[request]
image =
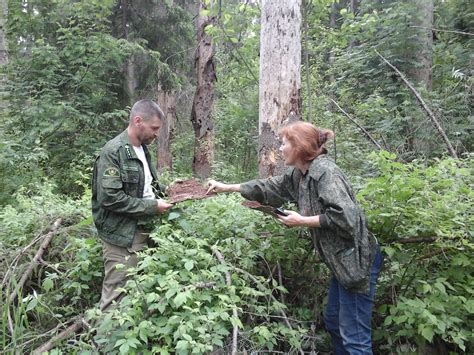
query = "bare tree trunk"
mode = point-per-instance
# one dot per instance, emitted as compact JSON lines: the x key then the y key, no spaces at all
{"x":167,"y":102}
{"x":201,"y":114}
{"x":131,"y":82}
{"x":305,"y":20}
{"x":421,"y":74}
{"x":3,"y":54}
{"x":280,"y":80}
{"x":353,"y":9}
{"x":420,"y":63}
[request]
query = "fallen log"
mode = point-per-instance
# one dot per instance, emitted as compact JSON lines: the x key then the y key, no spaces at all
{"x":78,"y":324}
{"x":36,"y":260}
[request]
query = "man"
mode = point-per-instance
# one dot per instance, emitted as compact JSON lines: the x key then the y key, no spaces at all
{"x":123,"y":199}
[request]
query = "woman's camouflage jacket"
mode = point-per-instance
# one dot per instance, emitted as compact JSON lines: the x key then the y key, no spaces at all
{"x":342,"y":240}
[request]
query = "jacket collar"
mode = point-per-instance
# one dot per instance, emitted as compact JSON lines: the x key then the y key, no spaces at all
{"x":129,"y":147}
{"x":131,"y":152}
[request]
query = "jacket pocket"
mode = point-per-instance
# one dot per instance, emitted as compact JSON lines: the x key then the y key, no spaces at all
{"x":130,"y":179}
{"x":348,"y":267}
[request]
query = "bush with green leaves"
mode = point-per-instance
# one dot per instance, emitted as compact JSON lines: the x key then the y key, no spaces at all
{"x":67,"y":277}
{"x":203,"y":278}
{"x":422,"y":214}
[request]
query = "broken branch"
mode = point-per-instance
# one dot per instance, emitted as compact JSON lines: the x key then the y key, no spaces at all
{"x":36,"y":259}
{"x":65,"y":334}
{"x":367,"y":134}
{"x":228,"y":281}
{"x":431,"y":115}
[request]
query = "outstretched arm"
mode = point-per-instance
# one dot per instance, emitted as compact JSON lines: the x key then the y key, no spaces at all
{"x":215,"y":186}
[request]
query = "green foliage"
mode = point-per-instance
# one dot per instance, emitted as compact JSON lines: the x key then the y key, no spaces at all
{"x":344,"y":66}
{"x":66,"y":83}
{"x":431,"y":297}
{"x":66,"y":281}
{"x":178,"y":300}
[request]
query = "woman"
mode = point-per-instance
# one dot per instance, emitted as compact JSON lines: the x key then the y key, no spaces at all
{"x":327,"y":206}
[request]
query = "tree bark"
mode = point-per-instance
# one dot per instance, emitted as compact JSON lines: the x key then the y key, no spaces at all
{"x":201,"y":114}
{"x":422,"y":58}
{"x":3,"y":55}
{"x":420,"y":73}
{"x":65,"y":334}
{"x":280,"y":78}
{"x":167,"y":102}
{"x":131,"y":78}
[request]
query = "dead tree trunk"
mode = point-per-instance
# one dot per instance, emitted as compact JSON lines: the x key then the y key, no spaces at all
{"x":3,"y":55}
{"x":167,"y":102}
{"x":280,"y":80}
{"x":420,"y":73}
{"x":201,"y":114}
{"x":131,"y":78}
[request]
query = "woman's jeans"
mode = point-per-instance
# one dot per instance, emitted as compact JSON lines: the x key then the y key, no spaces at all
{"x":348,"y":315}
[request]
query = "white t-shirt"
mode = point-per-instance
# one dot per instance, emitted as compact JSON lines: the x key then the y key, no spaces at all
{"x":147,"y":191}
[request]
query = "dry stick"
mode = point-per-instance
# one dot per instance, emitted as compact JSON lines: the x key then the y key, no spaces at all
{"x":416,"y":240}
{"x":254,"y":279}
{"x":228,"y":281}
{"x":65,"y":334}
{"x":35,"y":260}
{"x":431,"y":115}
{"x":280,"y":281}
{"x":434,"y":253}
{"x":16,"y":259}
{"x":448,"y":31}
{"x":358,"y":125}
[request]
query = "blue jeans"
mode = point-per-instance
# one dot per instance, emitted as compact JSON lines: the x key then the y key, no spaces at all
{"x":348,"y":315}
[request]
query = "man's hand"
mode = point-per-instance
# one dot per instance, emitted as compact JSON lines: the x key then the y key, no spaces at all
{"x":162,"y":206}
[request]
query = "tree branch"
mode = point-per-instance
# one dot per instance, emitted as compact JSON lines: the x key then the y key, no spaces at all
{"x":431,"y":115}
{"x":228,"y":281}
{"x":36,"y":259}
{"x":416,"y":240}
{"x":65,"y":334}
{"x":368,"y":135}
{"x":258,"y":283}
{"x":448,"y":31}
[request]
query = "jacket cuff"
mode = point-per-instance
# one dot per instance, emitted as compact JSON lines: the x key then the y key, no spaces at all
{"x":323,"y":221}
{"x":151,"y":206}
{"x":246,"y":190}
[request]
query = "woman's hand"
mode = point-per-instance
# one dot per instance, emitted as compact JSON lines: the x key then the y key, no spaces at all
{"x":294,"y":219}
{"x":216,"y":186}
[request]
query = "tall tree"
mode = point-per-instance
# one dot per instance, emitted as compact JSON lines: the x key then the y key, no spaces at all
{"x":167,"y":102}
{"x":201,"y":114}
{"x":420,"y":72}
{"x":280,"y":81}
{"x":422,"y":58}
{"x":3,"y":53}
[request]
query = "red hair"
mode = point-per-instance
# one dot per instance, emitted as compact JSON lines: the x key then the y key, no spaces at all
{"x":306,"y":139}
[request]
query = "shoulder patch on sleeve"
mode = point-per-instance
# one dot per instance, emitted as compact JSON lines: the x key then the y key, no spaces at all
{"x":111,"y":172}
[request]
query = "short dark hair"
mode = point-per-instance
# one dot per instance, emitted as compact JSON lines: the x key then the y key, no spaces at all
{"x":146,"y":109}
